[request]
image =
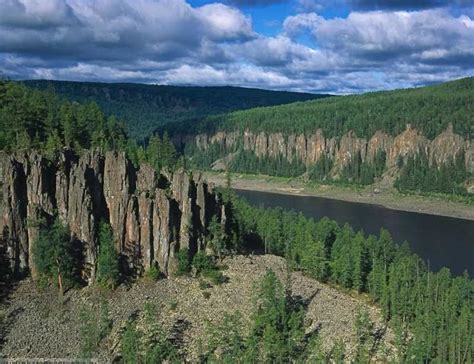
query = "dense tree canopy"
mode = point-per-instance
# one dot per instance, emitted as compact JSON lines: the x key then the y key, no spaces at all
{"x":33,"y":119}
{"x":38,"y":119}
{"x":147,"y":107}
{"x":429,"y":109}
{"x":432,"y":313}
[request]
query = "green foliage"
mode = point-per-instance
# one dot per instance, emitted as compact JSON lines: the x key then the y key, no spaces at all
{"x":202,"y":262}
{"x":338,"y":352}
{"x":149,"y":343}
{"x":429,"y":109}
{"x":215,"y":276}
{"x":417,"y":175}
{"x":277,"y":334}
{"x":248,"y":162}
{"x":108,"y":273}
{"x":363,"y":172}
{"x":130,"y":344}
{"x":153,"y":273}
{"x":38,"y":119}
{"x":95,"y":326}
{"x":184,"y":264}
{"x":363,"y":328}
{"x":206,"y":267}
{"x":432,"y":313}
{"x":161,"y":152}
{"x":226,"y":341}
{"x":55,"y":256}
{"x":147,"y":107}
{"x":216,"y":238}
{"x":320,"y":170}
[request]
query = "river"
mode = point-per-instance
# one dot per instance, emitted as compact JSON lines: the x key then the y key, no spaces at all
{"x":442,"y":241}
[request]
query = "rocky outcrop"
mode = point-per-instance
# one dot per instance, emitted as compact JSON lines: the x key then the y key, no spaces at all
{"x":310,"y":148}
{"x":151,"y":216}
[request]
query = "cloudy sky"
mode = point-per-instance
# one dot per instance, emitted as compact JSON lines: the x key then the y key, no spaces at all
{"x":338,"y":46}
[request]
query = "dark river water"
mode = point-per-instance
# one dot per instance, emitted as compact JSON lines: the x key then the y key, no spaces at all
{"x":442,"y":241}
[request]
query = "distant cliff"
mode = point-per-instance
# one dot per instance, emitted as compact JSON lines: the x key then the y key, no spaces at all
{"x":152,"y":216}
{"x":310,"y":148}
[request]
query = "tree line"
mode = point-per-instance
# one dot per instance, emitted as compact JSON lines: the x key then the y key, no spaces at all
{"x":33,"y":119}
{"x":145,"y":108}
{"x":417,"y":175}
{"x":429,"y":109}
{"x":432,"y":313}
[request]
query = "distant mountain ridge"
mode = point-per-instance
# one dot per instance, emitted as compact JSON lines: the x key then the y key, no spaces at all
{"x":430,"y":109}
{"x":416,"y":139}
{"x":145,"y":108}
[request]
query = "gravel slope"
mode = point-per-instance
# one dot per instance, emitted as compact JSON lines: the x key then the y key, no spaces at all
{"x":37,"y":324}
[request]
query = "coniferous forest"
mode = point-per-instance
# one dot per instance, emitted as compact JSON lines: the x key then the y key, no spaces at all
{"x":144,"y":108}
{"x":32,"y":119}
{"x":429,"y":109}
{"x":237,"y":181}
{"x":430,"y":313}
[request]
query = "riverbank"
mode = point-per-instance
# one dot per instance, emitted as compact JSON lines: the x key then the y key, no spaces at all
{"x":387,"y":197}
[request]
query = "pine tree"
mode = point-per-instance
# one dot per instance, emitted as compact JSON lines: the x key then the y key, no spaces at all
{"x":107,"y":261}
{"x":216,"y":238}
{"x":55,"y":256}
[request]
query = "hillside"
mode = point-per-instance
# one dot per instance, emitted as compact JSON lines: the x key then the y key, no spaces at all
{"x":144,"y":108}
{"x":416,"y":139}
{"x":429,"y":109}
{"x":79,"y":216}
{"x":183,"y":308}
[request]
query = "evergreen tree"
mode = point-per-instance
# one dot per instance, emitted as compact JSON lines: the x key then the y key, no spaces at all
{"x":107,"y":261}
{"x":55,"y":257}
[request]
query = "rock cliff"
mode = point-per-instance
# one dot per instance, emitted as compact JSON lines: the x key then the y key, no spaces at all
{"x":309,"y":148}
{"x":152,"y":216}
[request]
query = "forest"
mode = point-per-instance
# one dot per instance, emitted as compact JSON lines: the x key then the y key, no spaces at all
{"x":41,"y":120}
{"x":431,"y":313}
{"x":145,"y":108}
{"x":429,"y":109}
{"x":416,"y":173}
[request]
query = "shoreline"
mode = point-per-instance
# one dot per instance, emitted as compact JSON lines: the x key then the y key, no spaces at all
{"x":385,"y":198}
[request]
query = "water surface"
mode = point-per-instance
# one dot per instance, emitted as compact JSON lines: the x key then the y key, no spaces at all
{"x":442,"y":241}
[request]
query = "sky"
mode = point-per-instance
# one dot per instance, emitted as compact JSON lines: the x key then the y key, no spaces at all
{"x":320,"y":46}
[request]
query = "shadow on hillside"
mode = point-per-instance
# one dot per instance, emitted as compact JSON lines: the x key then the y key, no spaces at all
{"x":6,"y":321}
{"x":7,"y":287}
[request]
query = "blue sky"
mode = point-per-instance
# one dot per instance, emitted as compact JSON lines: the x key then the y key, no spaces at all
{"x":338,"y":46}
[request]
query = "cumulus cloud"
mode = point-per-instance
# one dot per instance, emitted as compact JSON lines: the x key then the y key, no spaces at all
{"x":371,"y":5}
{"x":172,"y":42}
{"x":254,"y":2}
{"x":113,"y":29}
{"x":381,"y":37}
{"x":405,"y":4}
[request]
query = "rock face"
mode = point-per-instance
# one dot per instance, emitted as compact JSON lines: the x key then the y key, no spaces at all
{"x":151,"y":216}
{"x":310,"y":148}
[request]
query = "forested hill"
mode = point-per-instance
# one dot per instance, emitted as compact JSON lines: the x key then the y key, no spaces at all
{"x":420,"y":139}
{"x":144,"y":108}
{"x":429,"y":109}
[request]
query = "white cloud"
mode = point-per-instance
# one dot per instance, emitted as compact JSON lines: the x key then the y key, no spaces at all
{"x":169,"y":41}
{"x":384,"y":36}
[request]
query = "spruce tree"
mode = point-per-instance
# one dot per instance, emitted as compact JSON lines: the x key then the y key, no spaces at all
{"x":55,"y":257}
{"x":107,"y":262}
